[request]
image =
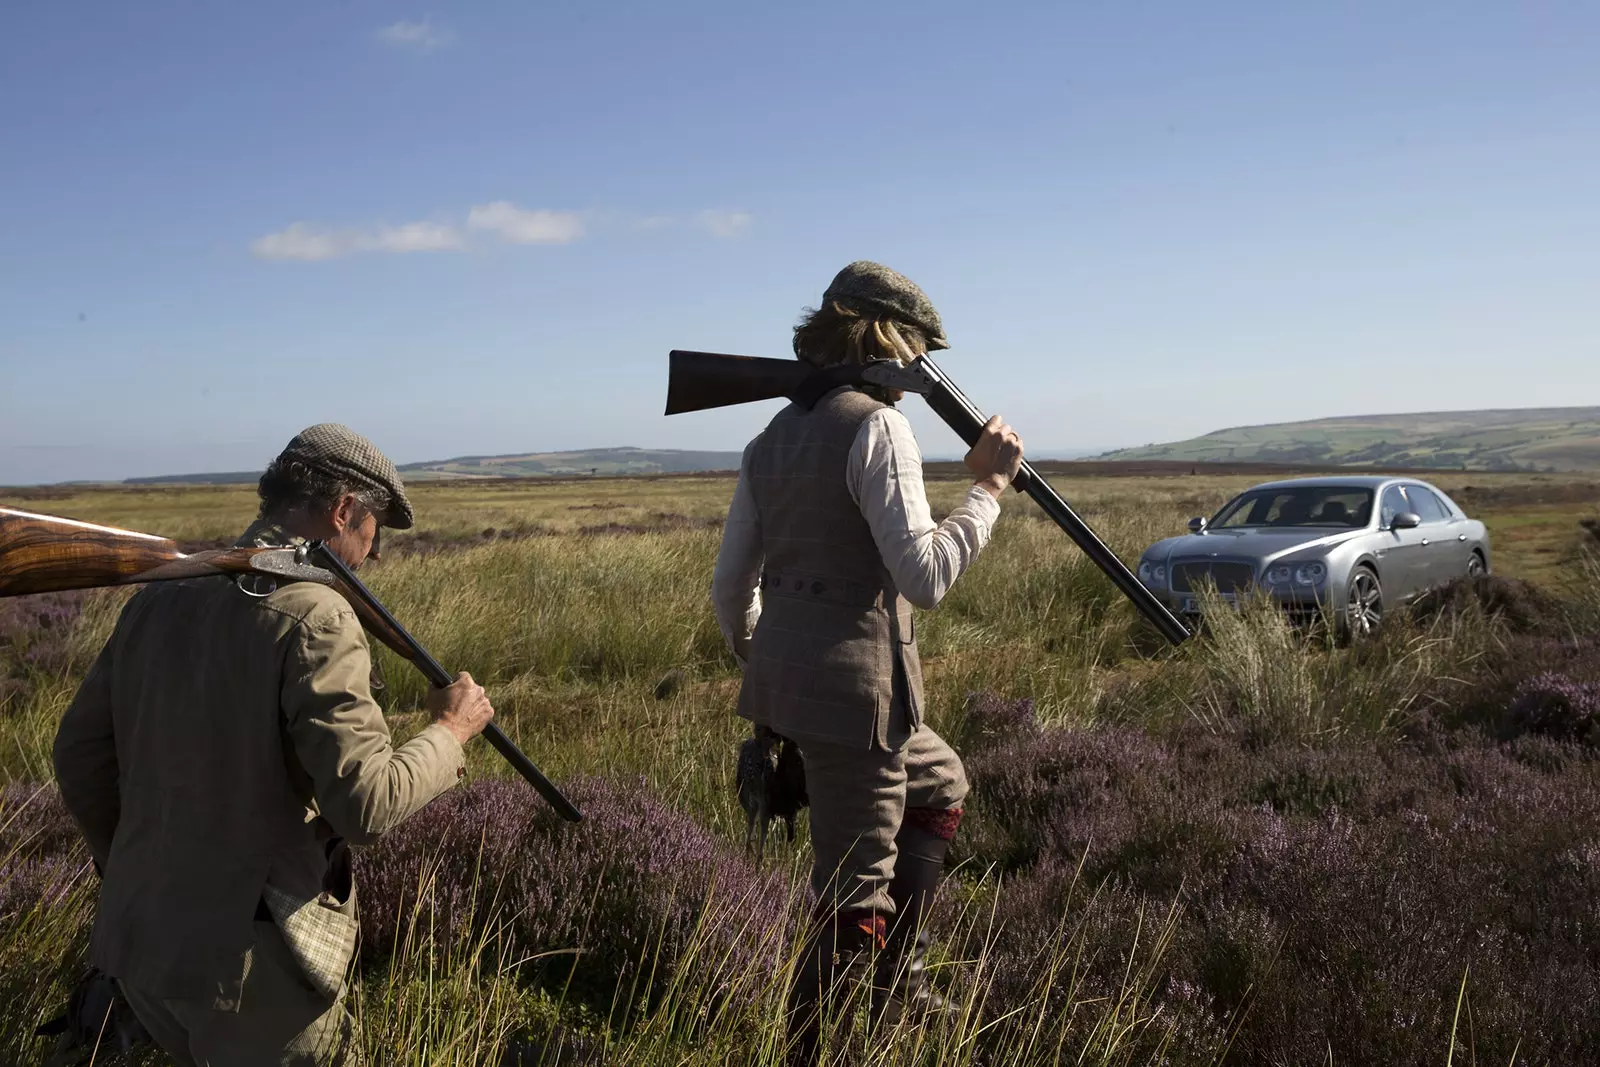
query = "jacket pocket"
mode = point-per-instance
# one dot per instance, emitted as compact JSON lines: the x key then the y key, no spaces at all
{"x":320,"y":935}
{"x":906,"y":626}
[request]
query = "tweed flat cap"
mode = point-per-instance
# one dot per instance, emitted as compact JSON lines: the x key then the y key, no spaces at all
{"x":867,"y":287}
{"x":340,"y":451}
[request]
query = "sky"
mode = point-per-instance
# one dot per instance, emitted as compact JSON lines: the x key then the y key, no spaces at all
{"x":478,"y":228}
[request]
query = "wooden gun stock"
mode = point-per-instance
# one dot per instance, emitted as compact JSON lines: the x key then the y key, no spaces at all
{"x":47,"y":554}
{"x":700,"y":380}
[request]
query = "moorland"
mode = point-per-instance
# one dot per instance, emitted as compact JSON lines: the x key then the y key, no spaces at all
{"x":1530,"y":439}
{"x":1260,"y":848}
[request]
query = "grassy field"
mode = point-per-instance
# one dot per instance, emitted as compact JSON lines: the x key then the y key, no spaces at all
{"x":1257,"y":849}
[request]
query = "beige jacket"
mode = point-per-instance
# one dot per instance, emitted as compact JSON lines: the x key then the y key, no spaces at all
{"x":218,"y":744}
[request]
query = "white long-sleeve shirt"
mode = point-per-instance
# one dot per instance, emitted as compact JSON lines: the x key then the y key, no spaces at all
{"x":884,"y":476}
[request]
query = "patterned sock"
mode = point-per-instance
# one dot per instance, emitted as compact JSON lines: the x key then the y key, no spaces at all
{"x":940,"y":822}
{"x":870,"y":923}
{"x":876,"y":927}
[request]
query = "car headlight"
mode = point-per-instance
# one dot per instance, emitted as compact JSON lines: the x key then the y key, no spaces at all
{"x":1151,"y":573}
{"x":1310,"y":573}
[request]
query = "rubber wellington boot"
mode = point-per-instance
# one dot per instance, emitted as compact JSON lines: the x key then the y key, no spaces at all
{"x":831,"y":956}
{"x":900,"y":986}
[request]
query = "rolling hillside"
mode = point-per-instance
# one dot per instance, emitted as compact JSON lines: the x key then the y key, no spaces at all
{"x":1518,"y":439}
{"x":600,"y":461}
{"x":584,"y":461}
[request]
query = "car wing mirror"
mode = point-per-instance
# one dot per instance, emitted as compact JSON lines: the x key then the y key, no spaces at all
{"x":1198,"y":524}
{"x":1406,"y":520}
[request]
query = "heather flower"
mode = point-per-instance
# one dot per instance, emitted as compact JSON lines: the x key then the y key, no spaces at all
{"x":36,"y":636}
{"x":990,"y":719}
{"x":41,"y":853}
{"x":1556,"y":706}
{"x":33,"y":819}
{"x":597,"y":906}
{"x":1523,"y":608}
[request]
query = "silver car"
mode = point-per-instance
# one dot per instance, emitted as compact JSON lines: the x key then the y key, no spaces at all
{"x":1357,"y":545}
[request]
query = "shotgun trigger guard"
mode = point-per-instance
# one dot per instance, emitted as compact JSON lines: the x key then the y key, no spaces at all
{"x":256,"y":585}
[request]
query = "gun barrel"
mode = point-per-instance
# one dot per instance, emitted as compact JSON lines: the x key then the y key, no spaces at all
{"x":387,"y":629}
{"x":965,"y":418}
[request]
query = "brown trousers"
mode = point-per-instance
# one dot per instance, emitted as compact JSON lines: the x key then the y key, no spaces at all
{"x":281,"y":1021}
{"x":859,"y":796}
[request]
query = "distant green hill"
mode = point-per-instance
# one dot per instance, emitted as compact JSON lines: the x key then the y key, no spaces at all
{"x":583,"y":461}
{"x":611,"y":461}
{"x":1515,"y":439}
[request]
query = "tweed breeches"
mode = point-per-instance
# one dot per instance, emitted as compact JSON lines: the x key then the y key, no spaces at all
{"x":859,"y":796}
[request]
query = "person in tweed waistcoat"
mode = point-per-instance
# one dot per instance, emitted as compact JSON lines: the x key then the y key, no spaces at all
{"x":223,"y":752}
{"x":828,"y":546}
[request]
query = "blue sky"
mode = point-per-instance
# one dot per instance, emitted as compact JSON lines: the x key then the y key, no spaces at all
{"x":479,"y":228}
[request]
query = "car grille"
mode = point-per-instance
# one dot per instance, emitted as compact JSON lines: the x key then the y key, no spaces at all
{"x":1227,"y":577}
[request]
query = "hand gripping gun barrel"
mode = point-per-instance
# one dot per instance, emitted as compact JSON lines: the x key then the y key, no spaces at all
{"x":46,"y":554}
{"x":700,"y":380}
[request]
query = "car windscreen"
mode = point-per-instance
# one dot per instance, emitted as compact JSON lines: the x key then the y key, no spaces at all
{"x":1346,"y":506}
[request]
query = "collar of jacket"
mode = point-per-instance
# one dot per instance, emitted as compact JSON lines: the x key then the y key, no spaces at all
{"x":264,"y":533}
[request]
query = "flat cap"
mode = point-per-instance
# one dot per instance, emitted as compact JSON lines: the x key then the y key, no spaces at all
{"x":340,"y":451}
{"x":869,"y":287}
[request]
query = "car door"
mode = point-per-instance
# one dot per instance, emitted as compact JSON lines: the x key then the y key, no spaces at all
{"x":1446,"y":546}
{"x":1402,"y":559}
{"x":1439,"y":539}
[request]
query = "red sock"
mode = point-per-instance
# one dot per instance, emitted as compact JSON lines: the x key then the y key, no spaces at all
{"x":940,"y":822}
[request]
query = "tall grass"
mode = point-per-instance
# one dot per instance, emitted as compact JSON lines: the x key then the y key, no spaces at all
{"x":47,"y":893}
{"x":1259,"y":671}
{"x":1093,"y":920}
{"x":715,"y":1008}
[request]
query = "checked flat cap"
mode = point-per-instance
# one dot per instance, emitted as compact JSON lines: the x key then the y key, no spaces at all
{"x":868,"y":287}
{"x":340,"y":451}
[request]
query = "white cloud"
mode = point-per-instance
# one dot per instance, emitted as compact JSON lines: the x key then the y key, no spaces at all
{"x":300,"y":241}
{"x":413,"y":237}
{"x":524,"y":227}
{"x":421,"y":36}
{"x":725,"y":223}
{"x":309,"y":244}
{"x":499,"y":220}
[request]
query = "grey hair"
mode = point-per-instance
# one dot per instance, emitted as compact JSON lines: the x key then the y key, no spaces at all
{"x":290,"y":483}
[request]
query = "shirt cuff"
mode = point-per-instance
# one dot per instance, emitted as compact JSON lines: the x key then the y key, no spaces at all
{"x":985,"y":506}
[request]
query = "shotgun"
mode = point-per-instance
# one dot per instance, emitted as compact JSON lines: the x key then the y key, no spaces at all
{"x":697,"y":381}
{"x":47,"y":554}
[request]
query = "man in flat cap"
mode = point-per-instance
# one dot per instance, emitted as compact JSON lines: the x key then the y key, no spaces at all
{"x":223,"y":753}
{"x":828,"y":545}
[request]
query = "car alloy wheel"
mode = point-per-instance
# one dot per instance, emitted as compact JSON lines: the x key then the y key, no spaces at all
{"x":1474,"y":566}
{"x":1364,"y":608}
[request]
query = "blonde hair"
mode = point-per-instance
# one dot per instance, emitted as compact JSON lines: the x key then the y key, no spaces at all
{"x":835,"y":334}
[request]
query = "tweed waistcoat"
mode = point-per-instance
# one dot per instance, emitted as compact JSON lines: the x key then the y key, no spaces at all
{"x":833,"y":627}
